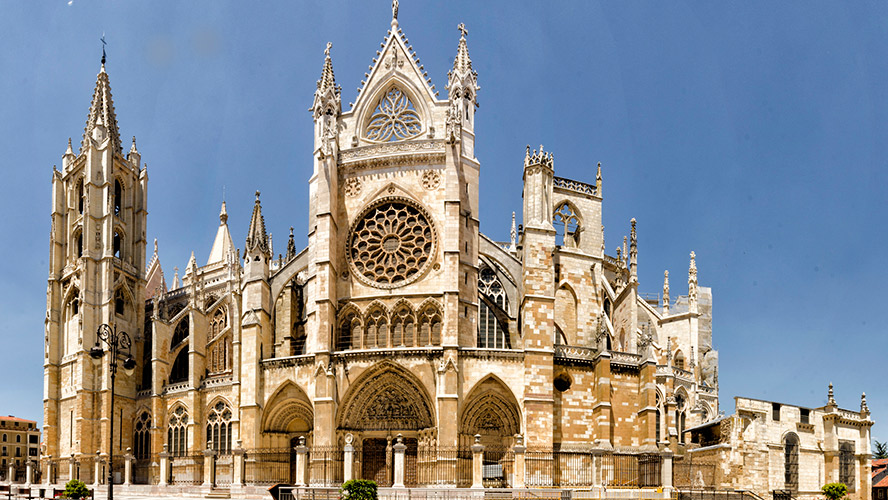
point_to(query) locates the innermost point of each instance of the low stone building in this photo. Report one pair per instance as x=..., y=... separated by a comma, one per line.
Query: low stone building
x=19, y=445
x=767, y=446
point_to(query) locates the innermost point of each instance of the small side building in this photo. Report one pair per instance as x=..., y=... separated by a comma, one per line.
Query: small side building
x=766, y=446
x=19, y=441
x=880, y=478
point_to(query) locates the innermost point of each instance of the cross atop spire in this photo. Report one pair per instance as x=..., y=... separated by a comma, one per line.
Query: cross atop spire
x=394, y=11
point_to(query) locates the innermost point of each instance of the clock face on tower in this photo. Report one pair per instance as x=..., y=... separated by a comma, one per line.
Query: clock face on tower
x=391, y=243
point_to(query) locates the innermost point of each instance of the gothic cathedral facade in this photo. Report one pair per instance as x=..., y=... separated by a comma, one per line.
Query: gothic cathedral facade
x=398, y=318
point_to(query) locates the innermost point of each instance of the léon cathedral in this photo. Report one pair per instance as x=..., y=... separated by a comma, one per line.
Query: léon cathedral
x=398, y=331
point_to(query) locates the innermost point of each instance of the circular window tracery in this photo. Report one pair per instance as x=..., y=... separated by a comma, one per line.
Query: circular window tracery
x=391, y=243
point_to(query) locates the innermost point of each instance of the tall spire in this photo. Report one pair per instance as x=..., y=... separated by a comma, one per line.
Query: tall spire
x=101, y=113
x=327, y=96
x=462, y=80
x=291, y=246
x=223, y=246
x=257, y=238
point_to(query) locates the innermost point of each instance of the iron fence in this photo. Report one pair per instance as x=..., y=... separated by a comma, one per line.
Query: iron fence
x=187, y=469
x=442, y=466
x=269, y=466
x=326, y=465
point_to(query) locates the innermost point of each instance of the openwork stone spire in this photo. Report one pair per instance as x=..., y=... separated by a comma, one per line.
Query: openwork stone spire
x=257, y=238
x=327, y=95
x=462, y=80
x=101, y=114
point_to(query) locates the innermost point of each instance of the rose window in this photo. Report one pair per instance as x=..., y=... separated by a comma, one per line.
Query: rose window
x=394, y=118
x=392, y=242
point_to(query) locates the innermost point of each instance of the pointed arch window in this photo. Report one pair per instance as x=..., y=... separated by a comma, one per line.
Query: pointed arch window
x=177, y=433
x=219, y=428
x=394, y=119
x=429, y=326
x=659, y=418
x=567, y=225
x=220, y=356
x=118, y=197
x=180, y=334
x=350, y=332
x=119, y=302
x=680, y=416
x=376, y=330
x=219, y=322
x=78, y=244
x=791, y=462
x=403, y=327
x=491, y=333
x=118, y=244
x=142, y=436
x=679, y=360
x=846, y=464
x=79, y=194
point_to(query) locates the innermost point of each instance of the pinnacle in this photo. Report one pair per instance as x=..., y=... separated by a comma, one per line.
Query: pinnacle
x=101, y=112
x=463, y=63
x=223, y=214
x=257, y=238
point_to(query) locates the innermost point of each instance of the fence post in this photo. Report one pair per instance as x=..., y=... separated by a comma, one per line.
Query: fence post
x=164, y=467
x=29, y=470
x=47, y=476
x=666, y=472
x=72, y=464
x=519, y=449
x=209, y=469
x=348, y=458
x=238, y=464
x=477, y=463
x=597, y=467
x=301, y=456
x=399, y=449
x=128, y=467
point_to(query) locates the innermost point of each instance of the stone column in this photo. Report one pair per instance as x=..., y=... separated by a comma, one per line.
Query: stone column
x=164, y=467
x=128, y=467
x=519, y=449
x=72, y=467
x=348, y=459
x=209, y=466
x=597, y=455
x=666, y=472
x=301, y=459
x=97, y=469
x=400, y=448
x=477, y=463
x=29, y=472
x=238, y=464
x=47, y=474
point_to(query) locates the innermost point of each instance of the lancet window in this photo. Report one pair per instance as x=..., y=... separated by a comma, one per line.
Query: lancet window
x=791, y=462
x=219, y=322
x=220, y=356
x=491, y=333
x=846, y=464
x=177, y=432
x=429, y=326
x=350, y=331
x=567, y=225
x=179, y=371
x=219, y=428
x=142, y=436
x=376, y=329
x=119, y=302
x=403, y=327
x=118, y=197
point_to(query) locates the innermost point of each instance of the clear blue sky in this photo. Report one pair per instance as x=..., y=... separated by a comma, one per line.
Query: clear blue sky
x=751, y=132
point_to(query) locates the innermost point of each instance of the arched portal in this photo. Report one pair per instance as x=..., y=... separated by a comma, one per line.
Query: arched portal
x=491, y=411
x=287, y=414
x=385, y=402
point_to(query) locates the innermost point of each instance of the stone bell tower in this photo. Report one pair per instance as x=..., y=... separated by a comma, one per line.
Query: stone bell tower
x=96, y=276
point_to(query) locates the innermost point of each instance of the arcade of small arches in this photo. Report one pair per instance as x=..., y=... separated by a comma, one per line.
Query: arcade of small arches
x=381, y=328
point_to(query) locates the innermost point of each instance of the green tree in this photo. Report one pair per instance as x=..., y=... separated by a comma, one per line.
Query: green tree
x=76, y=489
x=359, y=489
x=881, y=450
x=834, y=491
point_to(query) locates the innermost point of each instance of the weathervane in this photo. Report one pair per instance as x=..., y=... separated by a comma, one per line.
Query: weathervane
x=103, y=47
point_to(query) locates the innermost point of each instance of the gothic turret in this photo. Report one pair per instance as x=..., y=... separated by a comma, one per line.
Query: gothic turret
x=462, y=89
x=327, y=108
x=101, y=123
x=539, y=171
x=257, y=251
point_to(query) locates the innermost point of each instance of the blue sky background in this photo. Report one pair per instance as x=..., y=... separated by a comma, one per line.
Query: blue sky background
x=751, y=132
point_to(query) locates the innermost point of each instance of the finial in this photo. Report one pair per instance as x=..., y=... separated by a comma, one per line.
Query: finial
x=103, y=50
x=133, y=148
x=863, y=407
x=394, y=11
x=831, y=399
x=257, y=195
x=327, y=50
x=155, y=246
x=513, y=234
x=223, y=214
x=462, y=30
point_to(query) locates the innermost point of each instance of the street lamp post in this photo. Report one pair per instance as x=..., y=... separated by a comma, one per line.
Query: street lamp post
x=116, y=341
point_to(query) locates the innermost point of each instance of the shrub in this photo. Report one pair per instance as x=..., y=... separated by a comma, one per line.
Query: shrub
x=834, y=491
x=76, y=489
x=359, y=489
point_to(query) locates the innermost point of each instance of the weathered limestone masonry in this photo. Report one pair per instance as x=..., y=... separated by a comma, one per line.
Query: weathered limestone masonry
x=399, y=331
x=766, y=446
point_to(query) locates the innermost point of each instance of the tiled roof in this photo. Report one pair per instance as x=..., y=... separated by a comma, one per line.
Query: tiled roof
x=10, y=418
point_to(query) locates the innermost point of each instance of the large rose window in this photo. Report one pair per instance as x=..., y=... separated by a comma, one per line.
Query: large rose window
x=391, y=243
